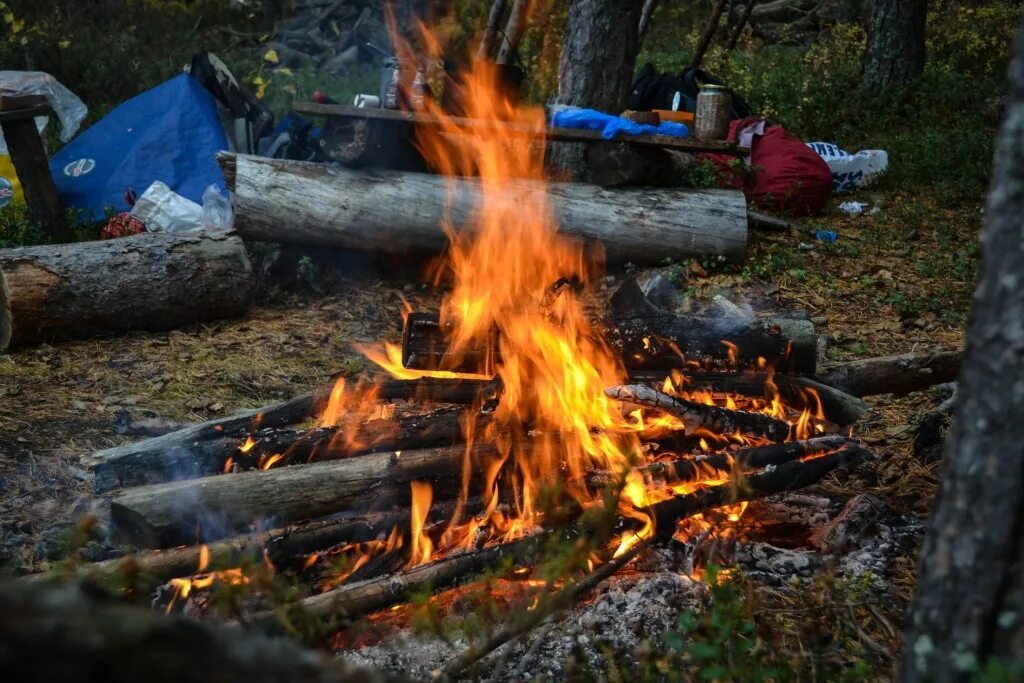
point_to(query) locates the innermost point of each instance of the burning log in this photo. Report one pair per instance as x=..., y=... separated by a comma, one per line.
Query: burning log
x=179, y=512
x=304, y=203
x=278, y=545
x=786, y=477
x=746, y=459
x=894, y=374
x=356, y=599
x=201, y=449
x=152, y=281
x=643, y=343
x=698, y=416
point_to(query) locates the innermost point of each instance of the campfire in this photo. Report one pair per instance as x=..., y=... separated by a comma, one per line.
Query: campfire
x=531, y=412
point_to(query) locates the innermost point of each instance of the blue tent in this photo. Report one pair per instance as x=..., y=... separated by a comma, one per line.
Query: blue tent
x=170, y=133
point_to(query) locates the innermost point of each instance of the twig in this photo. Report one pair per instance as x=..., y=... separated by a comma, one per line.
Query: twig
x=561, y=600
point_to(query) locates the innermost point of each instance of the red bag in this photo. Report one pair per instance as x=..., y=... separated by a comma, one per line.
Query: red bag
x=787, y=175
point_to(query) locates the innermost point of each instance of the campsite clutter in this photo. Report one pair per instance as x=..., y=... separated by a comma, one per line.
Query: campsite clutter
x=159, y=169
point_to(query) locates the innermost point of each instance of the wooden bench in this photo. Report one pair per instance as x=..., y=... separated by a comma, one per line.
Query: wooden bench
x=28, y=154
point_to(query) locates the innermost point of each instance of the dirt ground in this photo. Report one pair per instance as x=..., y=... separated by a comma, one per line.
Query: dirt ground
x=894, y=281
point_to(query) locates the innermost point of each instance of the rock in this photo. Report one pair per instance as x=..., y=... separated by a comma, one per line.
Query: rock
x=660, y=291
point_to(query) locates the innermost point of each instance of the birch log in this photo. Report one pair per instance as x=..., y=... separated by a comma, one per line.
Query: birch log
x=400, y=212
x=152, y=281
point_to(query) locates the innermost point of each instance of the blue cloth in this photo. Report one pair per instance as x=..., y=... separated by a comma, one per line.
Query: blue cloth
x=610, y=125
x=170, y=133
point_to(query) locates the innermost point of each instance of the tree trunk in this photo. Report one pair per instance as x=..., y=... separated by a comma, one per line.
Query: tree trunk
x=153, y=281
x=895, y=51
x=602, y=39
x=303, y=203
x=970, y=585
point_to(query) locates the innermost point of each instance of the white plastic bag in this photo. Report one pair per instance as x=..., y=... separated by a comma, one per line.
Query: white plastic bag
x=216, y=210
x=162, y=209
x=851, y=171
x=65, y=104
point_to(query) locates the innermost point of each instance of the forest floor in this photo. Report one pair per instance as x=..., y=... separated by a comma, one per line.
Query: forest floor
x=896, y=280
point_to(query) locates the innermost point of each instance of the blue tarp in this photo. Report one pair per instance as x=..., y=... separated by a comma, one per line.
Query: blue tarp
x=611, y=125
x=170, y=133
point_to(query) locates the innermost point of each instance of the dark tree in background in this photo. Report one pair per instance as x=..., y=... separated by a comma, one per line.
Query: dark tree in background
x=602, y=39
x=969, y=606
x=895, y=51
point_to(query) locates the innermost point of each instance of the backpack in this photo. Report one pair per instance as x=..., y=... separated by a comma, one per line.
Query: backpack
x=652, y=90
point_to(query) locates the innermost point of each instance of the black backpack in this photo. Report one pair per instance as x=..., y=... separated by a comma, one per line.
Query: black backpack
x=652, y=90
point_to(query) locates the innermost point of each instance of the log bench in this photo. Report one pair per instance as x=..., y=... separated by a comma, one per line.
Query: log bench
x=24, y=144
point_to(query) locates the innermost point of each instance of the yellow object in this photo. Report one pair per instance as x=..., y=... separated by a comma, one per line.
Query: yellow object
x=10, y=187
x=675, y=116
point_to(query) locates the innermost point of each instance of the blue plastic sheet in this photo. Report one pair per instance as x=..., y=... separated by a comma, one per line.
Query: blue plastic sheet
x=170, y=133
x=610, y=125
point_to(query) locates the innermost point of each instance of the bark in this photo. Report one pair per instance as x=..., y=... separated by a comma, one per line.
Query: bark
x=491, y=30
x=970, y=586
x=896, y=44
x=66, y=634
x=602, y=40
x=698, y=416
x=304, y=203
x=206, y=509
x=152, y=281
x=894, y=374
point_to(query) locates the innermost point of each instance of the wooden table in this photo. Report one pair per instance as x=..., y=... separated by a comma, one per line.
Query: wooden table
x=350, y=137
x=24, y=144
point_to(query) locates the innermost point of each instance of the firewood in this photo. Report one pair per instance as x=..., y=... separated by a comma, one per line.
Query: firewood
x=786, y=477
x=297, y=202
x=894, y=374
x=352, y=600
x=65, y=633
x=698, y=416
x=278, y=544
x=201, y=449
x=152, y=281
x=178, y=512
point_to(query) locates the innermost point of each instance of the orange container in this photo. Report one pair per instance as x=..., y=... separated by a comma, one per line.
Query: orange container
x=675, y=116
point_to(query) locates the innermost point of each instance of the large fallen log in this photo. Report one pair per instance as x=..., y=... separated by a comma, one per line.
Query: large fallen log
x=894, y=374
x=206, y=509
x=152, y=281
x=67, y=634
x=305, y=203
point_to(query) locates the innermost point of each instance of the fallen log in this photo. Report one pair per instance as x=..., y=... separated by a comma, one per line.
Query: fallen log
x=894, y=374
x=67, y=633
x=152, y=281
x=304, y=203
x=206, y=509
x=201, y=449
x=700, y=417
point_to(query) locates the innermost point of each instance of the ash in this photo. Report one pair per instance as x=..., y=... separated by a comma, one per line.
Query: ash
x=858, y=537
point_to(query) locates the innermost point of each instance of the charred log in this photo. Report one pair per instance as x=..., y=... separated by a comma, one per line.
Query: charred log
x=894, y=374
x=698, y=417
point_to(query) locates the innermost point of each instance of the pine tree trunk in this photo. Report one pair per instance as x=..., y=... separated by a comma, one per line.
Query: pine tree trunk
x=602, y=39
x=971, y=579
x=895, y=51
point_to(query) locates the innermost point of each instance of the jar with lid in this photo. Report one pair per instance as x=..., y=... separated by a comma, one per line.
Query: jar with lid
x=714, y=110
